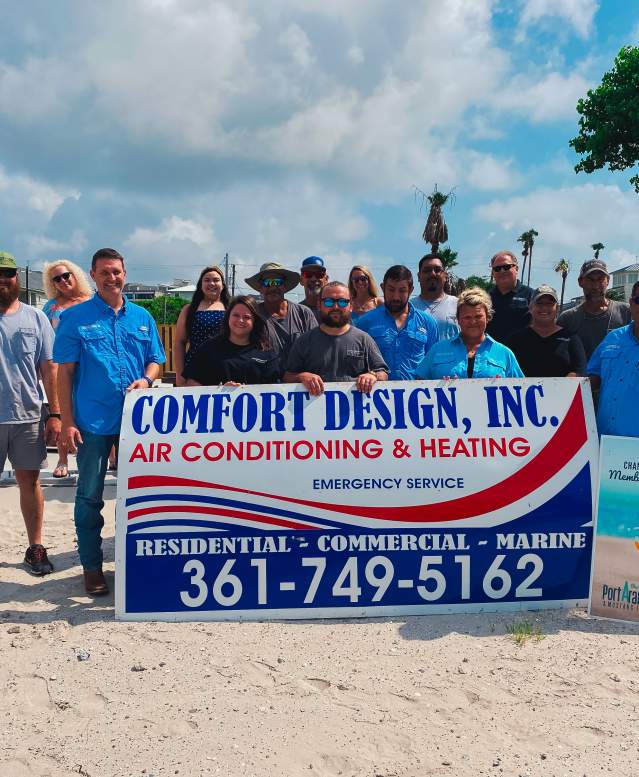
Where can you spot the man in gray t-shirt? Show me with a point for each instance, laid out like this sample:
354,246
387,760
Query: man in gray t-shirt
335,351
26,343
596,315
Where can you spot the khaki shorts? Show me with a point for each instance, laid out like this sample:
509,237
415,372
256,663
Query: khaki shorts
24,445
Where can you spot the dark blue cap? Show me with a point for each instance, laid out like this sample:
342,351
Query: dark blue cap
313,261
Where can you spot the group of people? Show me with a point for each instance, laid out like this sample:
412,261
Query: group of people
90,350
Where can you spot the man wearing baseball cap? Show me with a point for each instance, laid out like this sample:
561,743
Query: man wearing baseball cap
26,352
284,319
313,279
596,315
543,348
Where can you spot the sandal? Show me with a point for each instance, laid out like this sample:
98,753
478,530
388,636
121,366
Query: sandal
61,471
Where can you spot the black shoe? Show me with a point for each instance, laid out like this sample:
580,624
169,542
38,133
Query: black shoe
37,560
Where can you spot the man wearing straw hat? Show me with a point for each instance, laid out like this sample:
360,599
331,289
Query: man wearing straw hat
285,320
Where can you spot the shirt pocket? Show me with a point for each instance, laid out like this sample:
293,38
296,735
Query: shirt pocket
490,368
26,341
139,341
415,343
93,339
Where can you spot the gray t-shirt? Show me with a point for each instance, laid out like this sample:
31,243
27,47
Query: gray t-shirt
592,329
335,357
283,332
26,340
443,310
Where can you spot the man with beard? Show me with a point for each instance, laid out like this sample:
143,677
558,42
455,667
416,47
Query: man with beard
285,320
432,277
597,315
335,351
313,278
404,335
104,347
26,355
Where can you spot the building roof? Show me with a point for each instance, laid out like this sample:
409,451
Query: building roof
190,288
629,268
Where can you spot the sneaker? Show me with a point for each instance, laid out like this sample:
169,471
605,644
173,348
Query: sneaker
37,560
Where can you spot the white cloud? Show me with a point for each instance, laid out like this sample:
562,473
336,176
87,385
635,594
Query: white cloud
21,191
355,55
296,41
488,173
548,98
171,230
45,248
578,13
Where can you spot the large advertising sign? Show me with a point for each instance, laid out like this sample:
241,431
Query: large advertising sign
422,497
615,567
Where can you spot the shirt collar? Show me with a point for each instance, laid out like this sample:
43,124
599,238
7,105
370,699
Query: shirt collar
104,308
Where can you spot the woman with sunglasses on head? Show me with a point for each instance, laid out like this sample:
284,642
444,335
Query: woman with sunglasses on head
65,285
201,319
239,354
364,292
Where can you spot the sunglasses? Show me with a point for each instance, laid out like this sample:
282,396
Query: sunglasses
436,270
271,283
329,302
501,267
64,276
313,273
360,279
8,272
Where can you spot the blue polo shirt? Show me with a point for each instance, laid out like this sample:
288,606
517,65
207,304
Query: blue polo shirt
111,351
403,349
616,361
449,358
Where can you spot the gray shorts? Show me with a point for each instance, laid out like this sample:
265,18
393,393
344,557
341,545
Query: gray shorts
24,445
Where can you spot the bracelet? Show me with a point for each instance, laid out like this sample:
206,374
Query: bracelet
54,415
148,380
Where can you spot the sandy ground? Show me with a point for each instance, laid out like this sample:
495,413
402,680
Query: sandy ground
616,565
400,697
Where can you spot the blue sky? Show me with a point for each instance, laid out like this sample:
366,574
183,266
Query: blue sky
177,131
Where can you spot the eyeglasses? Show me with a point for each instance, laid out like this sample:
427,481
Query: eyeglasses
271,283
64,276
329,302
501,267
313,273
360,279
436,270
8,272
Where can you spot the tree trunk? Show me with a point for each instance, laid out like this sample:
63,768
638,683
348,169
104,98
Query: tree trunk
529,264
564,275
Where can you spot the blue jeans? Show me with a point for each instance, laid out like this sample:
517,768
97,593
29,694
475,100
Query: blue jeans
93,457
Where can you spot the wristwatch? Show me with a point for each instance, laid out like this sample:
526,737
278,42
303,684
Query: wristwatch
54,415
148,380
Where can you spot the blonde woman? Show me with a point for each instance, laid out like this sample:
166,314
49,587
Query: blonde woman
364,292
65,285
473,353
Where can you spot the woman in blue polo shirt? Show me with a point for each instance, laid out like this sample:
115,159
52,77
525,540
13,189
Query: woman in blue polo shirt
473,353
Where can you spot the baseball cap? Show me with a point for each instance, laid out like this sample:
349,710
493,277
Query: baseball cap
7,260
593,265
313,262
544,291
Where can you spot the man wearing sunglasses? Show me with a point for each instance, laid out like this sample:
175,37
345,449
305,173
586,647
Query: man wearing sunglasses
285,320
614,369
313,278
26,356
432,277
336,350
510,298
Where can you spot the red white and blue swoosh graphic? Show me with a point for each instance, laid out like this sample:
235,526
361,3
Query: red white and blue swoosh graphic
178,504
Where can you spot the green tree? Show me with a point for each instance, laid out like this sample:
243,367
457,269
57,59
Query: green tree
448,257
165,309
615,294
528,239
474,281
597,247
609,123
562,267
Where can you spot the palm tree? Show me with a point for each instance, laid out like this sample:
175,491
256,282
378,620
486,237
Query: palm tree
523,238
563,267
436,231
448,258
596,247
528,239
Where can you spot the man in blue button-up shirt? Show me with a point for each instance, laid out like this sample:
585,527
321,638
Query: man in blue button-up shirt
403,334
614,366
104,347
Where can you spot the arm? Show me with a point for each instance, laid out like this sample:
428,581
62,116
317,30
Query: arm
70,434
312,383
179,346
191,382
151,371
48,372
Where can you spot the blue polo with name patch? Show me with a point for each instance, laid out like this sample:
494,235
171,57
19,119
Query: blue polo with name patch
111,350
403,349
616,361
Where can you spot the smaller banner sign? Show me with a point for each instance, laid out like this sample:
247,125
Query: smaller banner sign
614,590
